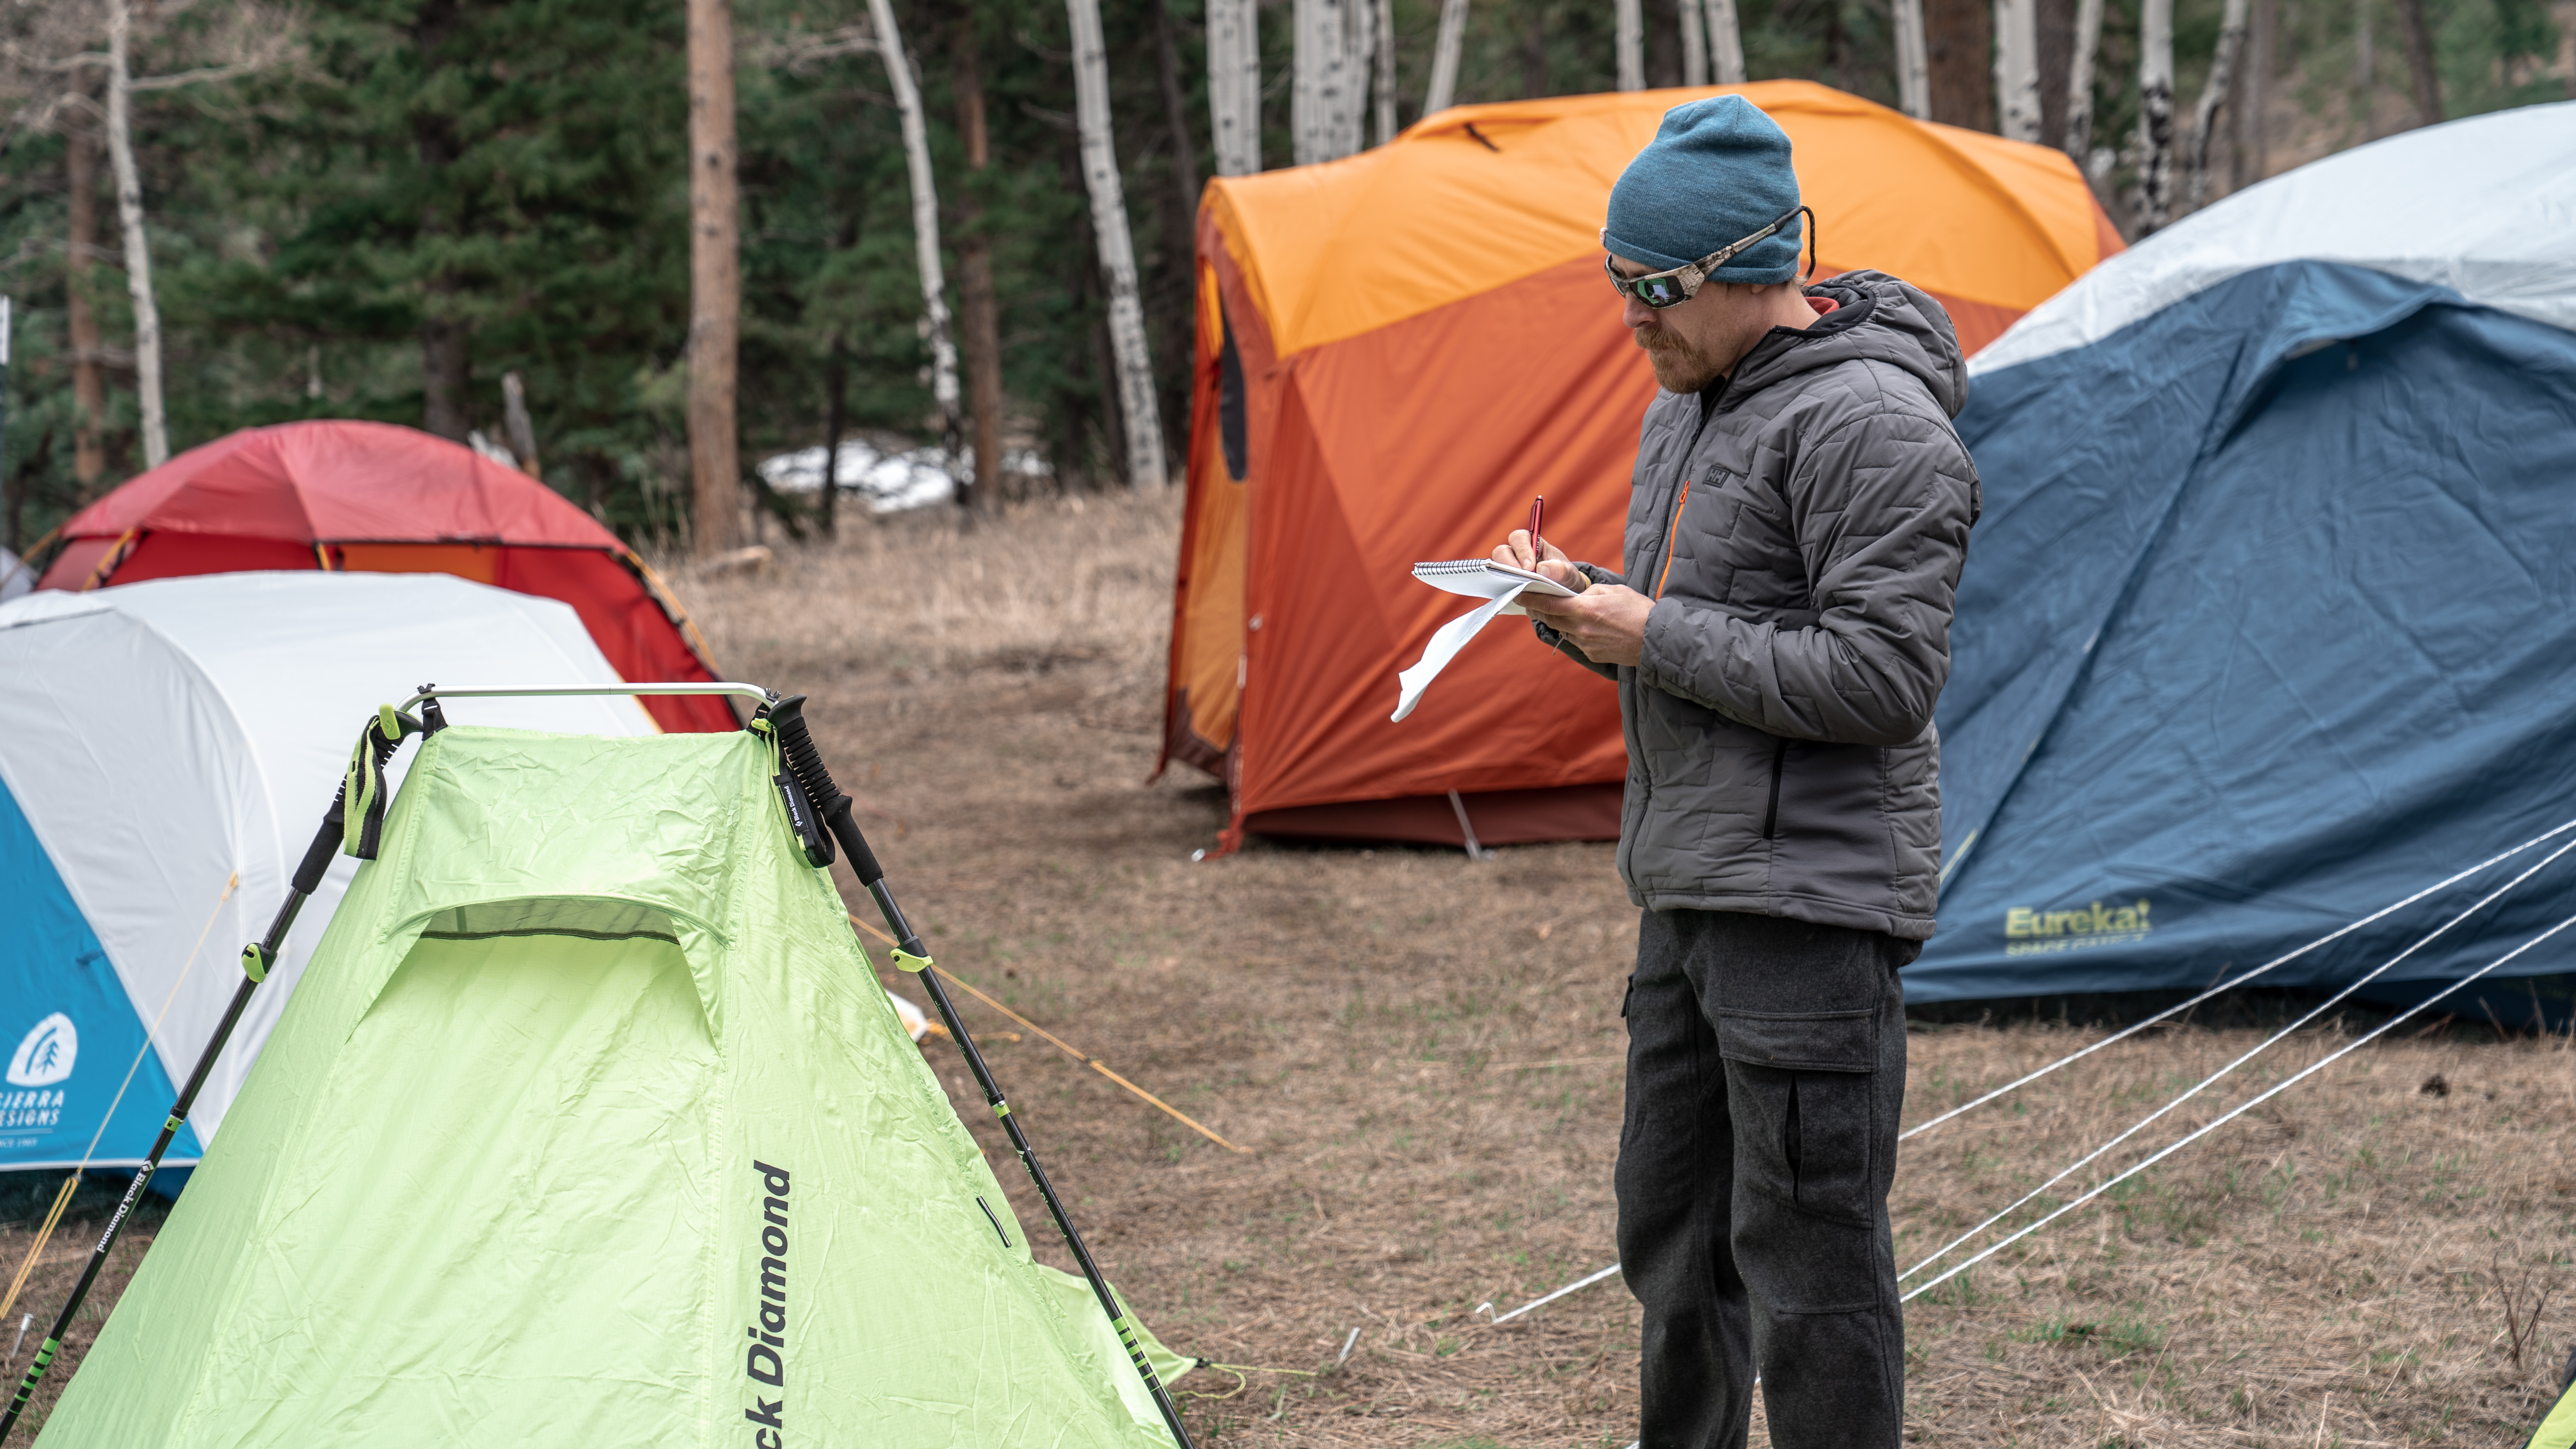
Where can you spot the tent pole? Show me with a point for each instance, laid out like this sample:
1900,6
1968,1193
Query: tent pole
797,745
256,961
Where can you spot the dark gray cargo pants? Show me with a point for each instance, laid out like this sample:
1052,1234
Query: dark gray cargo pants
1766,1067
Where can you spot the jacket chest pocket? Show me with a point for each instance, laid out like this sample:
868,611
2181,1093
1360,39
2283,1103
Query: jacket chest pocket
1804,1093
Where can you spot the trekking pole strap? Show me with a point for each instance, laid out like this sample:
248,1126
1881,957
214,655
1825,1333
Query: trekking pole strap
796,746
361,805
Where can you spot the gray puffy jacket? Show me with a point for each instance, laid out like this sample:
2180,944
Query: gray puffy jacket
1800,526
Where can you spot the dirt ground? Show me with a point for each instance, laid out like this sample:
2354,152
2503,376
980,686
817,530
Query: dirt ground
1422,1055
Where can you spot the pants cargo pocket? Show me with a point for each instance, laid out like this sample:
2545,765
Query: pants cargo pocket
1809,1080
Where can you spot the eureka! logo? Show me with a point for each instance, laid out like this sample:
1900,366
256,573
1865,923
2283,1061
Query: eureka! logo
2029,932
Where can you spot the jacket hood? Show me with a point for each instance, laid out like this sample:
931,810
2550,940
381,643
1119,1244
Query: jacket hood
1878,319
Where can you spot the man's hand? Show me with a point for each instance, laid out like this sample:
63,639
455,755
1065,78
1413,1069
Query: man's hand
1516,552
1606,621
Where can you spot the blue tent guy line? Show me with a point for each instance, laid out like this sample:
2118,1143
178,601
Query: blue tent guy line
2268,624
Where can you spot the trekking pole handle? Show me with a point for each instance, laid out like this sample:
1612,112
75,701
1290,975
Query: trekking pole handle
805,763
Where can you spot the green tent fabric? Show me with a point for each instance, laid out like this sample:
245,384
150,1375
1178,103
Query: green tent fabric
2558,1429
590,1124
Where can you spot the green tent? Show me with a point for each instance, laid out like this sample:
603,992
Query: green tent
2558,1429
589,1124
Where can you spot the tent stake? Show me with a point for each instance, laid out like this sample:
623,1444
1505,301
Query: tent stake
256,961
796,744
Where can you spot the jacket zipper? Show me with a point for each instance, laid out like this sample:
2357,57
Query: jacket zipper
1672,536
1771,817
1681,496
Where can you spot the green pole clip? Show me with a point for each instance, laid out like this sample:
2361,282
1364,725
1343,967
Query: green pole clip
1001,1109
173,1125
906,961
255,961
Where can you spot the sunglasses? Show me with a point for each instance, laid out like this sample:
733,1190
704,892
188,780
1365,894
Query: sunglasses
1659,290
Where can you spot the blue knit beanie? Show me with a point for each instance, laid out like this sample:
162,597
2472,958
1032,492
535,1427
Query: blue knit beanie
1716,172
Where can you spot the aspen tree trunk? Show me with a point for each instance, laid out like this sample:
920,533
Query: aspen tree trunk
2213,95
2155,116
1332,49
1630,33
1694,45
1443,91
2079,83
1234,85
925,227
715,282
1385,71
2419,62
1142,419
1913,61
1725,44
2017,69
1318,38
129,218
89,382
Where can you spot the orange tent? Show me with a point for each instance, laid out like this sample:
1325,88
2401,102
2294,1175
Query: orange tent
1397,350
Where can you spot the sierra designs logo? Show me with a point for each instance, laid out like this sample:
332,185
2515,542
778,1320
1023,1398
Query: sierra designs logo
2030,933
47,1054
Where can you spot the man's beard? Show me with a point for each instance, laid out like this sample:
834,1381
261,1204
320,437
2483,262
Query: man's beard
1679,367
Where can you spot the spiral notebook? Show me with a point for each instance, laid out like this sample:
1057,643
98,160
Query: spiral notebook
1499,585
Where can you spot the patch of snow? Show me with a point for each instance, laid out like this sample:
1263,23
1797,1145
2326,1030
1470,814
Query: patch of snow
890,482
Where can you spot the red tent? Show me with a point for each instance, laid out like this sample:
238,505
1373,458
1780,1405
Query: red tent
377,498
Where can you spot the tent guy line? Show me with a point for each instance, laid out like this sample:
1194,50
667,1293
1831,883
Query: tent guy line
2225,986
2026,1079
2241,1109
2206,1082
1072,1051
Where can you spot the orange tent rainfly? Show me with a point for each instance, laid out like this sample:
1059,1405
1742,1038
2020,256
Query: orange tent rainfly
376,498
1396,351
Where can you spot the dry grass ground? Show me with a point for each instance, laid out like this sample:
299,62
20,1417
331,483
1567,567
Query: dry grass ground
1423,1055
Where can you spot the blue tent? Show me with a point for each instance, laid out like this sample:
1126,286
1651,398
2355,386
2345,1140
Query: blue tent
2270,621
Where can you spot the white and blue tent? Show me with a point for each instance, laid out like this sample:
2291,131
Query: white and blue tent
167,750
2270,621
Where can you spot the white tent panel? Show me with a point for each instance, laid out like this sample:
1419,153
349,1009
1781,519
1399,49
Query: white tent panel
174,744
2485,206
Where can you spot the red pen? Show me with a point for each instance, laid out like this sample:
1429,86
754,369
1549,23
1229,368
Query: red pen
1538,515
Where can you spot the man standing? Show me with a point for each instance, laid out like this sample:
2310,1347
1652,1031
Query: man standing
1779,634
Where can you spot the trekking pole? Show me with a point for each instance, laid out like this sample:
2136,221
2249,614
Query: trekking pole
256,959
831,811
